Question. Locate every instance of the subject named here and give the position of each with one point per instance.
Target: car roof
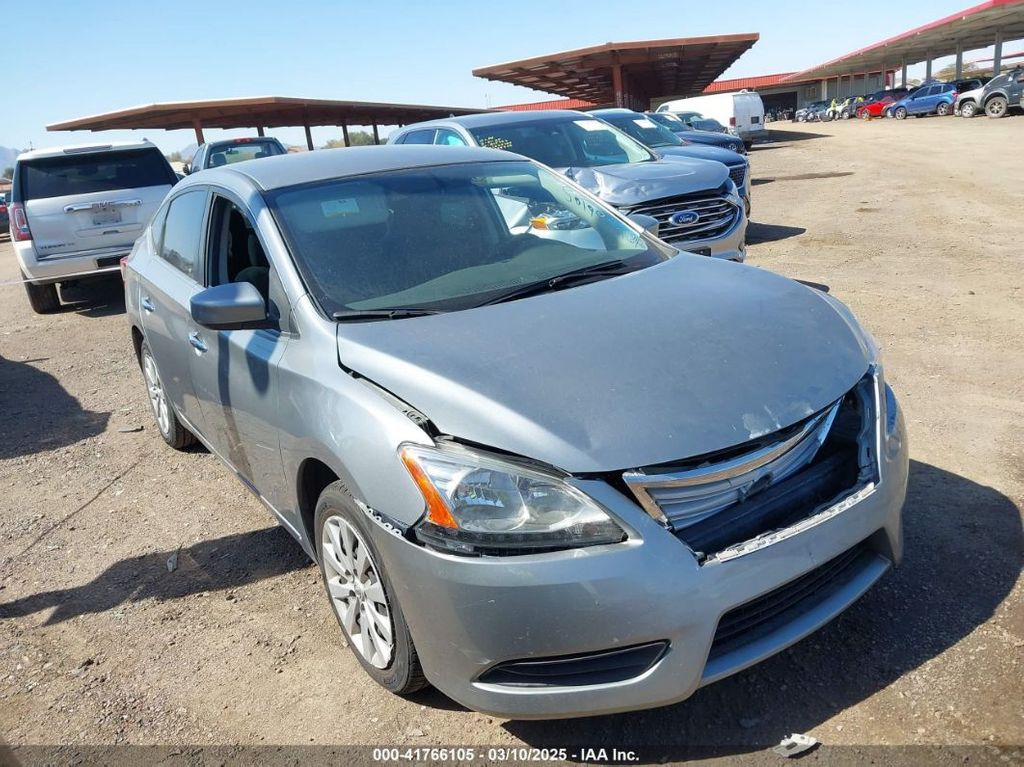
(240, 140)
(324, 164)
(484, 119)
(93, 148)
(612, 111)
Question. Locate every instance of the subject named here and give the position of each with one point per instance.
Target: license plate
(106, 215)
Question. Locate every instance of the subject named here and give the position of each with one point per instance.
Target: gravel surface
(917, 225)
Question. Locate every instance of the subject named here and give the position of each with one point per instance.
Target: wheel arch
(137, 339)
(311, 480)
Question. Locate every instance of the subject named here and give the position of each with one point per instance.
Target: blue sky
(70, 59)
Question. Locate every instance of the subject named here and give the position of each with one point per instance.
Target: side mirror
(234, 306)
(186, 169)
(648, 223)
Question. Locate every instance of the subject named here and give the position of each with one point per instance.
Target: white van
(742, 113)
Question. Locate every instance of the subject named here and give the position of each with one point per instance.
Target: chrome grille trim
(717, 216)
(682, 498)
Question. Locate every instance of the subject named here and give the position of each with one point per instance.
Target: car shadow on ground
(963, 555)
(780, 135)
(758, 233)
(219, 564)
(101, 297)
(38, 413)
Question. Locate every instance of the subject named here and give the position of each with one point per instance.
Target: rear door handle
(147, 305)
(197, 343)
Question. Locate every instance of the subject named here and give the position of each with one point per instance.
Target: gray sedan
(544, 461)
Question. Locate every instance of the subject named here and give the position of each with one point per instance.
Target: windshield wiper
(567, 280)
(369, 315)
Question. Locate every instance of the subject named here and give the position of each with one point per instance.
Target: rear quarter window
(93, 172)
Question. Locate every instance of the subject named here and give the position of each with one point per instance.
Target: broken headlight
(483, 504)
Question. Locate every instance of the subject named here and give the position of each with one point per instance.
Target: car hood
(710, 137)
(700, 152)
(687, 357)
(639, 182)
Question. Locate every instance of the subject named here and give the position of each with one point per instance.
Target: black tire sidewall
(178, 437)
(336, 500)
(997, 99)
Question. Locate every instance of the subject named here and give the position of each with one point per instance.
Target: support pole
(928, 67)
(197, 126)
(997, 56)
(959, 60)
(259, 131)
(617, 85)
(344, 134)
(309, 137)
(824, 89)
(376, 135)
(903, 82)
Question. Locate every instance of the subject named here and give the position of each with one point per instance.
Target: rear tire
(942, 109)
(167, 423)
(901, 113)
(996, 106)
(968, 109)
(42, 298)
(359, 588)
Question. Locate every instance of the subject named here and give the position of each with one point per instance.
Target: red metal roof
(739, 83)
(555, 104)
(972, 28)
(1006, 56)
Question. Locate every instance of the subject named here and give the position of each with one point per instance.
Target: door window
(449, 138)
(183, 231)
(419, 137)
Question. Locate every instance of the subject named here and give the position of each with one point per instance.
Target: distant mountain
(7, 157)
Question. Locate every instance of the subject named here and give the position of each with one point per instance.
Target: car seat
(217, 160)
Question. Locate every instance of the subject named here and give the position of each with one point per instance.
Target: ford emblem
(684, 217)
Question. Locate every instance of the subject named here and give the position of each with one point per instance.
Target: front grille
(714, 501)
(738, 174)
(714, 217)
(760, 616)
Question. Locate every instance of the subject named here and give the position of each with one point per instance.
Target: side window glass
(156, 228)
(419, 137)
(235, 254)
(447, 137)
(183, 232)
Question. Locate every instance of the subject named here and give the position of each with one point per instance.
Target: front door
(235, 374)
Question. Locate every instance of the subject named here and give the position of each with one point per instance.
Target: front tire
(901, 113)
(167, 423)
(968, 109)
(361, 594)
(996, 106)
(42, 298)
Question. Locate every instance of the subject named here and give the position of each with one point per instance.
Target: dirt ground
(916, 225)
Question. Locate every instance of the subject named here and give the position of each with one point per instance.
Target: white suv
(77, 210)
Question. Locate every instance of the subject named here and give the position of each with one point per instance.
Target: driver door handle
(197, 342)
(147, 305)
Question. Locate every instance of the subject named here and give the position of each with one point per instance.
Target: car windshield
(448, 237)
(248, 149)
(579, 142)
(643, 129)
(74, 174)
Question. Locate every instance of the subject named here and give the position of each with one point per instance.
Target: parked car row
(487, 379)
(966, 98)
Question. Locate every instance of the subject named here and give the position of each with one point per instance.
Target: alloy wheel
(357, 593)
(157, 396)
(942, 109)
(996, 107)
(968, 109)
(901, 114)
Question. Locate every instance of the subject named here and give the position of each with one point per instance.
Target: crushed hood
(687, 357)
(635, 183)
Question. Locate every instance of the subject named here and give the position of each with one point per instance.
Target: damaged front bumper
(646, 622)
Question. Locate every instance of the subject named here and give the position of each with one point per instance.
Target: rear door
(168, 283)
(92, 202)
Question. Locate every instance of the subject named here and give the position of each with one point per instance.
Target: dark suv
(217, 153)
(1004, 92)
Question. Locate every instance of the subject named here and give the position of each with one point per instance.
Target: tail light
(19, 223)
(123, 264)
(732, 122)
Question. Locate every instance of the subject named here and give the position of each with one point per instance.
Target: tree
(174, 157)
(8, 173)
(355, 138)
(948, 72)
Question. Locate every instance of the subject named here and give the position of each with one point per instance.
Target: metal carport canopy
(627, 74)
(977, 27)
(260, 112)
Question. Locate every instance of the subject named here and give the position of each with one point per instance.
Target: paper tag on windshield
(343, 207)
(591, 124)
(644, 123)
